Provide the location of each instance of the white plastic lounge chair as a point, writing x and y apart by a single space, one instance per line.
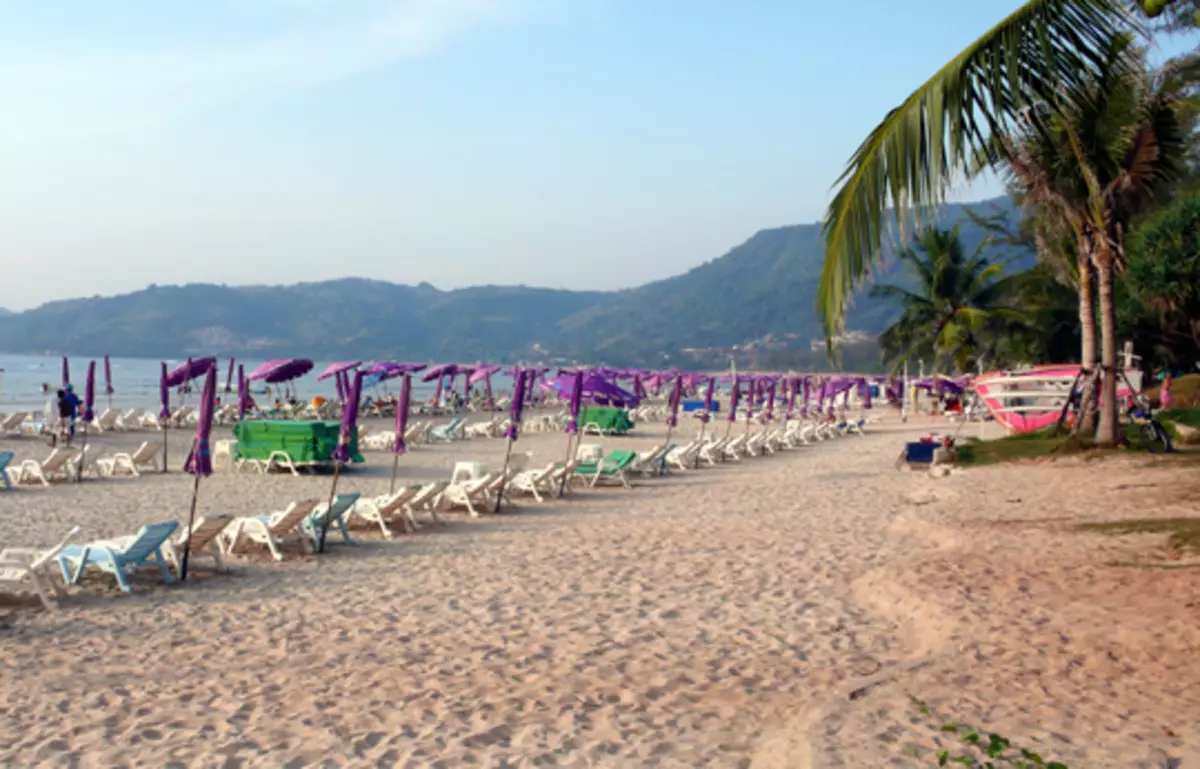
120 556
683 457
449 432
206 541
468 494
11 424
272 530
24 568
427 499
713 451
107 420
534 482
735 448
148 457
386 509
57 466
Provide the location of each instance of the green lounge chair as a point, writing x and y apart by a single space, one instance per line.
613 468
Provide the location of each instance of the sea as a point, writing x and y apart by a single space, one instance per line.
135 381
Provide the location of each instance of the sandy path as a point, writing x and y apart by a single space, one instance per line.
713 618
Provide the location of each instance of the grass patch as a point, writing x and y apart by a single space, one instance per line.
1183 533
1041 444
1189 416
1185 391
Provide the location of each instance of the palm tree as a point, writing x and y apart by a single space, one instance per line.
1045 52
1086 170
954 300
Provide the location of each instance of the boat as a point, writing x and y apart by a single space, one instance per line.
1028 400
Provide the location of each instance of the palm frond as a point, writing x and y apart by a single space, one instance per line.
1044 50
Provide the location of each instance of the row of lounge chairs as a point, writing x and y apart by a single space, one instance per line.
63 464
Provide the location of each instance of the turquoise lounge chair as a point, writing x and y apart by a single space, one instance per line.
117 556
335 514
448 432
612 468
6 458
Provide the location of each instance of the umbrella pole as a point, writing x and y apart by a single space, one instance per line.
82 456
337 470
395 467
562 483
503 477
166 426
187 543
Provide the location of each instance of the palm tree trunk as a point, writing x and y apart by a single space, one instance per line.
1086 423
1106 434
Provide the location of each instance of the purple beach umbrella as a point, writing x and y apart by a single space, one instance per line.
199 462
673 405
108 388
243 393
769 413
398 446
229 376
522 382
341 453
733 400
66 371
575 403
89 394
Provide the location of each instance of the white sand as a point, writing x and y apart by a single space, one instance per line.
721 617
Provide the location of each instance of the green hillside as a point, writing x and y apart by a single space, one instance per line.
767 285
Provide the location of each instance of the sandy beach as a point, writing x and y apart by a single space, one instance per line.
774 612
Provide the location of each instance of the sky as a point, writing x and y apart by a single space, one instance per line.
564 143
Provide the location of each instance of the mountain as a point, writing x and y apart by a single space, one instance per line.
759 296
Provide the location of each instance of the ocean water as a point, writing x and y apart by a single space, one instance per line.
135 382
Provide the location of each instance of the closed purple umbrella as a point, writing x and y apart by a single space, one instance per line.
66 371
673 405
199 463
349 420
243 393
341 453
108 388
229 376
402 406
791 399
804 405
575 403
768 414
733 399
521 384
708 400
164 395
89 394
89 401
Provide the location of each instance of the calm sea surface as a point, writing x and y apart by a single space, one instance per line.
135 381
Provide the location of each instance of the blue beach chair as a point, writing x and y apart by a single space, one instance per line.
6 458
335 514
118 556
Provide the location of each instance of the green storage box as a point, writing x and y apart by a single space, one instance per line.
611 420
306 443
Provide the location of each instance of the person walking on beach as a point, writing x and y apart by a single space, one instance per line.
63 410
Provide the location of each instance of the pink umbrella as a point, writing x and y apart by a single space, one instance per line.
337 368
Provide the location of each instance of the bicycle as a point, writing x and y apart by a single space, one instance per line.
1152 436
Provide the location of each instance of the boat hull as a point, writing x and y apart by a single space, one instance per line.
1033 399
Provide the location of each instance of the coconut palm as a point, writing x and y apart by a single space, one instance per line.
1087 169
954 301
1045 52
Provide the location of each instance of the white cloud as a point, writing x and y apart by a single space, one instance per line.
48 92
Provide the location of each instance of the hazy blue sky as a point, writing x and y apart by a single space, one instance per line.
572 143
